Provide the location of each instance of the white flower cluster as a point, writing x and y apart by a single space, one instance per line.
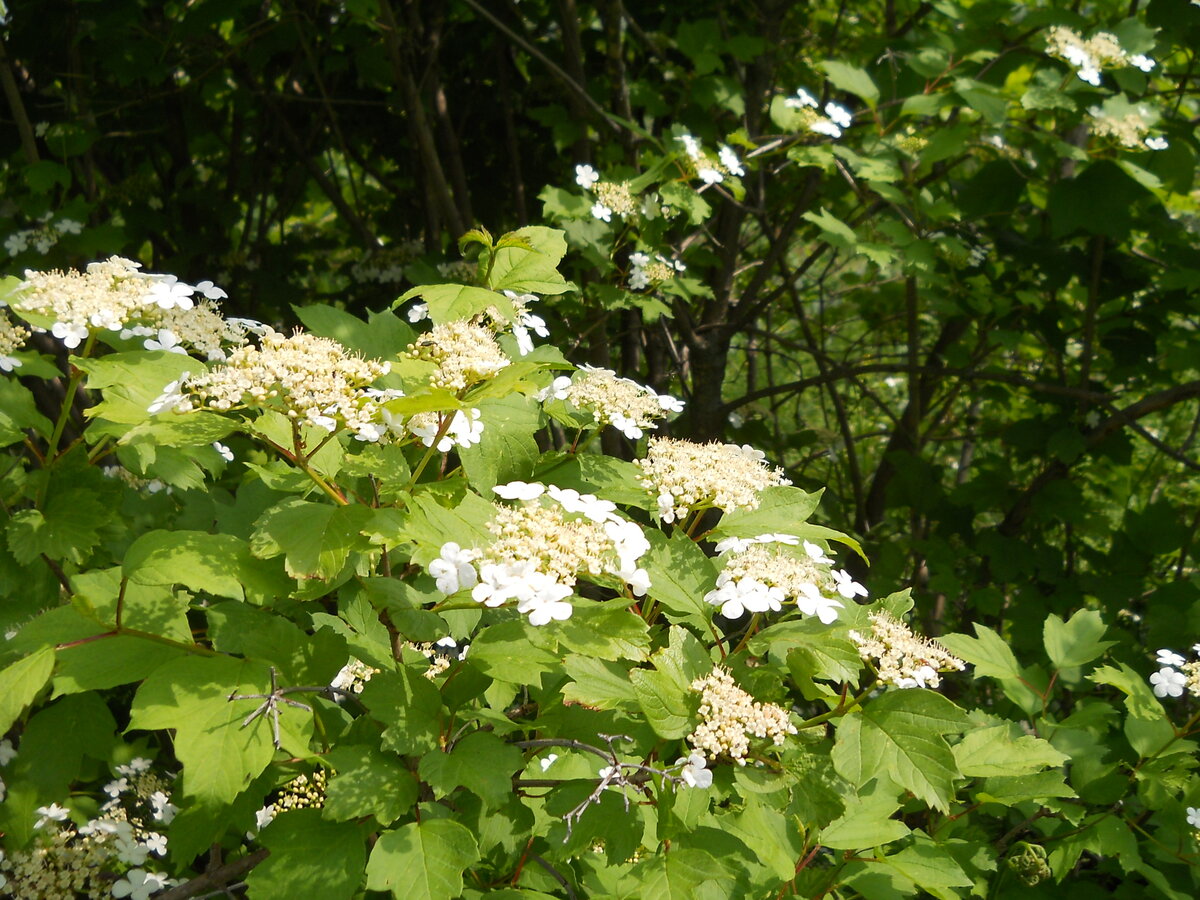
440 654
762 573
1128 130
43 237
200 327
67 860
1090 56
730 717
901 658
12 337
352 677
1176 674
465 353
114 296
645 272
626 405
612 197
312 380
684 475
541 547
836 118
708 169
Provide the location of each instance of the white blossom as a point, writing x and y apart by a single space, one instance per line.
1168 683
586 176
1170 658
602 212
453 570
730 161
519 490
695 771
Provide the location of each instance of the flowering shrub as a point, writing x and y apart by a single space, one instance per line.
391 601
406 603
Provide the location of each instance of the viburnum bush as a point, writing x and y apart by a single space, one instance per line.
365 609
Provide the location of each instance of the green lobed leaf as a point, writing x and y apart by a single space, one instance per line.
997 750
680 576
598 684
18 411
422 860
514 651
677 875
384 336
409 706
851 78
930 868
867 820
506 450
368 782
480 762
1076 641
603 630
107 663
315 539
310 857
194 559
448 302
220 757
21 682
900 734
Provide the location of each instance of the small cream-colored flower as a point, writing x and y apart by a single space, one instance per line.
902 658
685 475
465 353
616 197
312 380
730 717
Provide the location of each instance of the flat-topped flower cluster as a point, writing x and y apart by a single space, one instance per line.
902 658
115 296
541 547
310 379
1101 50
105 856
763 572
685 476
621 402
730 717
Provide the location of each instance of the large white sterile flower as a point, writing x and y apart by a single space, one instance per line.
453 570
695 771
519 490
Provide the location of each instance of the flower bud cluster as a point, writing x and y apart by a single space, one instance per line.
626 405
902 658
613 198
1090 56
1176 674
730 718
12 337
313 380
761 573
684 475
465 353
